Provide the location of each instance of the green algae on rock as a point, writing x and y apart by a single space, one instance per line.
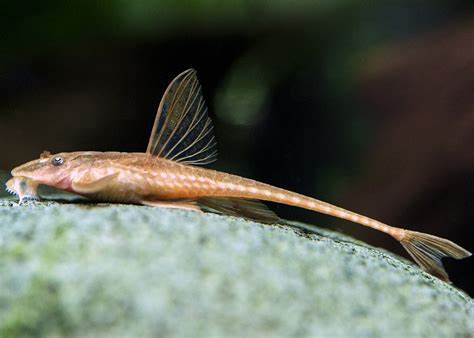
124 270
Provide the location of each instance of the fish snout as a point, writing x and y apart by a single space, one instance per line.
18 171
29 170
15 172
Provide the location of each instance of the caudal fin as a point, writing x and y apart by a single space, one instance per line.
428 250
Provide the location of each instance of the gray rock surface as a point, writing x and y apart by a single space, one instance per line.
122 270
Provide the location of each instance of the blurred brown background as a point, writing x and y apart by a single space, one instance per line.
367 105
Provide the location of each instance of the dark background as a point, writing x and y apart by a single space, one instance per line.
365 104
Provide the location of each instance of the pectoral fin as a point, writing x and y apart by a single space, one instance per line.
86 185
250 209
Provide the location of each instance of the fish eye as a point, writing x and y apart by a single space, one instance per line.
57 161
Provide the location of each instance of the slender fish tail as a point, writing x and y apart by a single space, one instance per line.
426 250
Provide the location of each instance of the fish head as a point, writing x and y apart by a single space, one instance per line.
55 170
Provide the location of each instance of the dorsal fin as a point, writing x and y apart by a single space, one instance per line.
183 131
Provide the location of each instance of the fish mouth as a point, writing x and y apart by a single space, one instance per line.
10 191
24 190
22 198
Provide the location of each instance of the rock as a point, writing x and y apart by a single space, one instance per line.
70 269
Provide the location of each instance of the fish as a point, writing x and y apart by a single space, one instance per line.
171 174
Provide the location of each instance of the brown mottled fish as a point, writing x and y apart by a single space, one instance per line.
167 175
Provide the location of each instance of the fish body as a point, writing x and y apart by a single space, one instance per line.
133 177
169 174
138 177
142 179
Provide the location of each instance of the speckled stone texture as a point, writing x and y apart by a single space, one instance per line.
69 269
